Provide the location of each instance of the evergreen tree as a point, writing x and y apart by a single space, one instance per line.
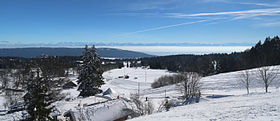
42 92
90 73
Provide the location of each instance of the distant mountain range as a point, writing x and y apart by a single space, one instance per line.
103 52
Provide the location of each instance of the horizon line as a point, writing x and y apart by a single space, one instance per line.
82 44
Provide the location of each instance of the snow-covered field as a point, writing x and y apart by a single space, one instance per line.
257 106
137 76
236 106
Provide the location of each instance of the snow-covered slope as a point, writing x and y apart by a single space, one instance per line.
229 83
137 76
258 107
237 106
227 108
224 83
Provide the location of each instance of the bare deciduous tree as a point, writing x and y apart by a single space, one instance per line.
149 107
245 79
138 103
142 108
267 76
190 85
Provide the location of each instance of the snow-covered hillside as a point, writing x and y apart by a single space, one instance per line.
229 83
235 106
257 106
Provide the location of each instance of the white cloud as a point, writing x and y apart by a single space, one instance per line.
253 14
172 50
261 4
233 15
163 27
266 4
271 24
272 11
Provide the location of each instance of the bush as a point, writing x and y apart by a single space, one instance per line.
168 80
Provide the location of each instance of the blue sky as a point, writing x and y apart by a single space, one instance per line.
138 21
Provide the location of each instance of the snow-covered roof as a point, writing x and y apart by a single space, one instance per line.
107 111
110 91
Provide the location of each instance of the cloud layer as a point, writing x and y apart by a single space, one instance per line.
234 14
262 10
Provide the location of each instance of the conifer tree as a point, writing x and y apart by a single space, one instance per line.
90 73
42 92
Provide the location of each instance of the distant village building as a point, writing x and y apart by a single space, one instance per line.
110 94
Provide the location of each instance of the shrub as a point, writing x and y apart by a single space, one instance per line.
168 80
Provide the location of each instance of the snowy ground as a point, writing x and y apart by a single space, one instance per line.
229 83
238 106
259 106
137 76
124 87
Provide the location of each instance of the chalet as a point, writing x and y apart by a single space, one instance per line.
110 94
113 110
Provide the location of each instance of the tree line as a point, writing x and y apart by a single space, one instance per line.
262 54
